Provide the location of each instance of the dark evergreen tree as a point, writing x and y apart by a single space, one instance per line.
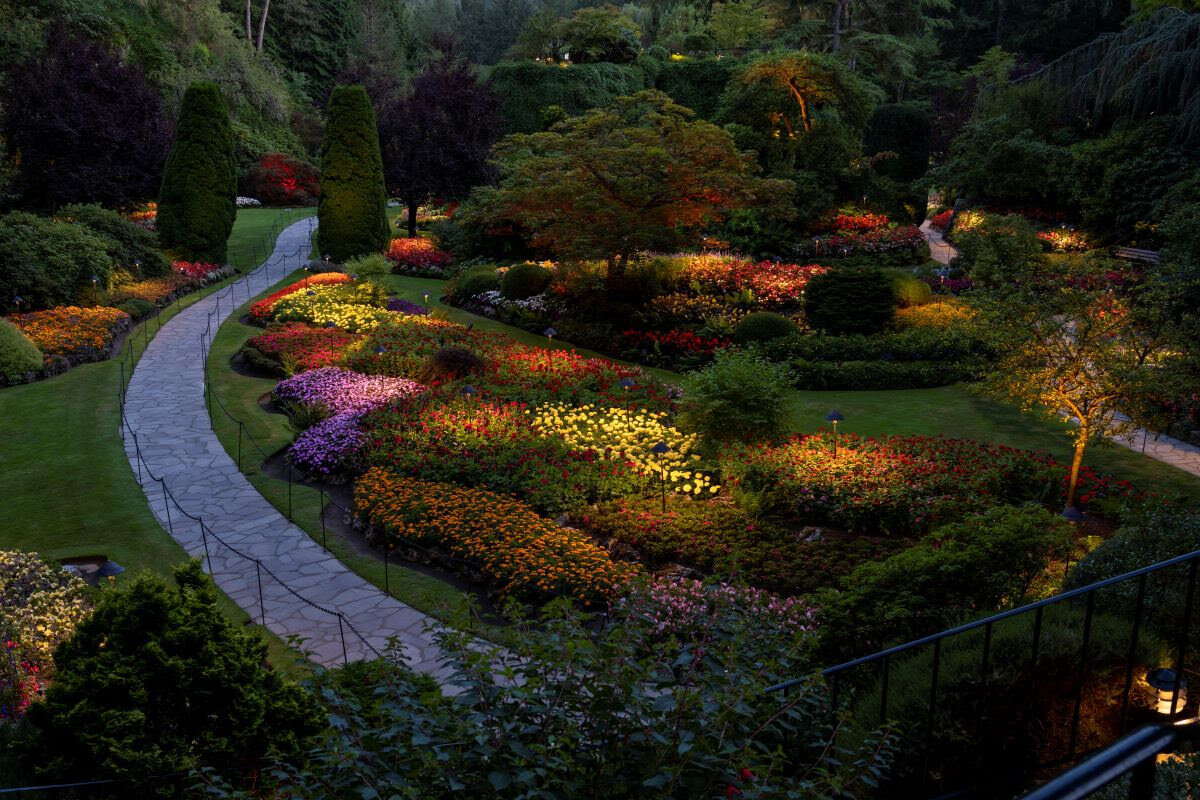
436 141
82 126
352 211
196 204
157 680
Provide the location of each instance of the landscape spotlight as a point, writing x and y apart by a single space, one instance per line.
110 569
835 417
1163 681
550 333
1072 514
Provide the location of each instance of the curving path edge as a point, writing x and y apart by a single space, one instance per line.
168 433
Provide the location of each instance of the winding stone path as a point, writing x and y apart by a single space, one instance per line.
168 424
942 251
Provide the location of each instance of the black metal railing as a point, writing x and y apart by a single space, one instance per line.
1135 755
1168 589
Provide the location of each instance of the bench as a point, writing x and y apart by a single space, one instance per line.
1135 254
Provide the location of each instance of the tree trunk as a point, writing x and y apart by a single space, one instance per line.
838 11
262 24
249 26
1076 463
412 218
999 22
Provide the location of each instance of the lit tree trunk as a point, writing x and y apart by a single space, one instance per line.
1076 462
839 11
413 205
249 26
262 24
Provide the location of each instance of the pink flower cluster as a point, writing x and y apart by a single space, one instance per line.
195 270
343 391
686 608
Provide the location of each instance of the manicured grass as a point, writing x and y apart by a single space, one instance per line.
254 233
271 433
68 490
953 411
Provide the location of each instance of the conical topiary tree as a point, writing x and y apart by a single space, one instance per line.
197 201
352 212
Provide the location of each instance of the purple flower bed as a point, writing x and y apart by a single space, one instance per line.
405 307
343 391
328 447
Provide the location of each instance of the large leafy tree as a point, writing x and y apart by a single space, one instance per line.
157 680
1076 346
352 212
196 203
82 125
641 174
436 140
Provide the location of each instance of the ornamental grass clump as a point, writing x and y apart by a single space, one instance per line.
520 553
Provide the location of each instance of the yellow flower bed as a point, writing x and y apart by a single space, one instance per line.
522 552
941 314
328 304
621 435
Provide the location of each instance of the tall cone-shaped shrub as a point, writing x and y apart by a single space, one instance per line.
197 201
352 212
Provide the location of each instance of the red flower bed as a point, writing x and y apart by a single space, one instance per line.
901 485
941 221
852 223
298 347
536 375
774 285
878 240
418 255
261 311
673 343
196 270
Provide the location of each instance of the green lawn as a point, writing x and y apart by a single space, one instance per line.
951 411
254 233
68 489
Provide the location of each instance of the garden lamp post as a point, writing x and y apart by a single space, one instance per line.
661 450
835 417
1072 514
330 326
426 297
95 280
311 303
1170 690
627 384
469 392
110 570
18 300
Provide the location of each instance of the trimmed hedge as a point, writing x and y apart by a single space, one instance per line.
18 354
762 326
352 211
881 375
524 281
696 84
915 344
196 204
526 89
850 301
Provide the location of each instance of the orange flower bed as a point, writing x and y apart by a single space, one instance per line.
73 332
261 311
151 290
523 553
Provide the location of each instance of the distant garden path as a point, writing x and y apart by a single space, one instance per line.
165 408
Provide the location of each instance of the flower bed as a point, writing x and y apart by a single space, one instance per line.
401 306
694 612
1065 240
331 449
627 436
40 605
418 256
670 347
261 310
152 290
898 485
77 334
517 551
906 239
535 375
855 223
293 347
772 285
197 271
721 538
496 447
939 315
941 221
342 391
322 306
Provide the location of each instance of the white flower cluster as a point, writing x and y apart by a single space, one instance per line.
247 202
538 304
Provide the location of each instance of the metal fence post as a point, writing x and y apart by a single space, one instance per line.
342 633
167 507
262 608
207 555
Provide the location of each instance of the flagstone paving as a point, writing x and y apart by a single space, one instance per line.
305 592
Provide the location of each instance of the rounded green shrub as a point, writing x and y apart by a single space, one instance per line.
911 290
374 266
474 282
525 280
738 397
18 355
196 204
131 247
352 211
762 326
136 307
850 301
49 262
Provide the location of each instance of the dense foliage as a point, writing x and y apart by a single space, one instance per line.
352 218
196 201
